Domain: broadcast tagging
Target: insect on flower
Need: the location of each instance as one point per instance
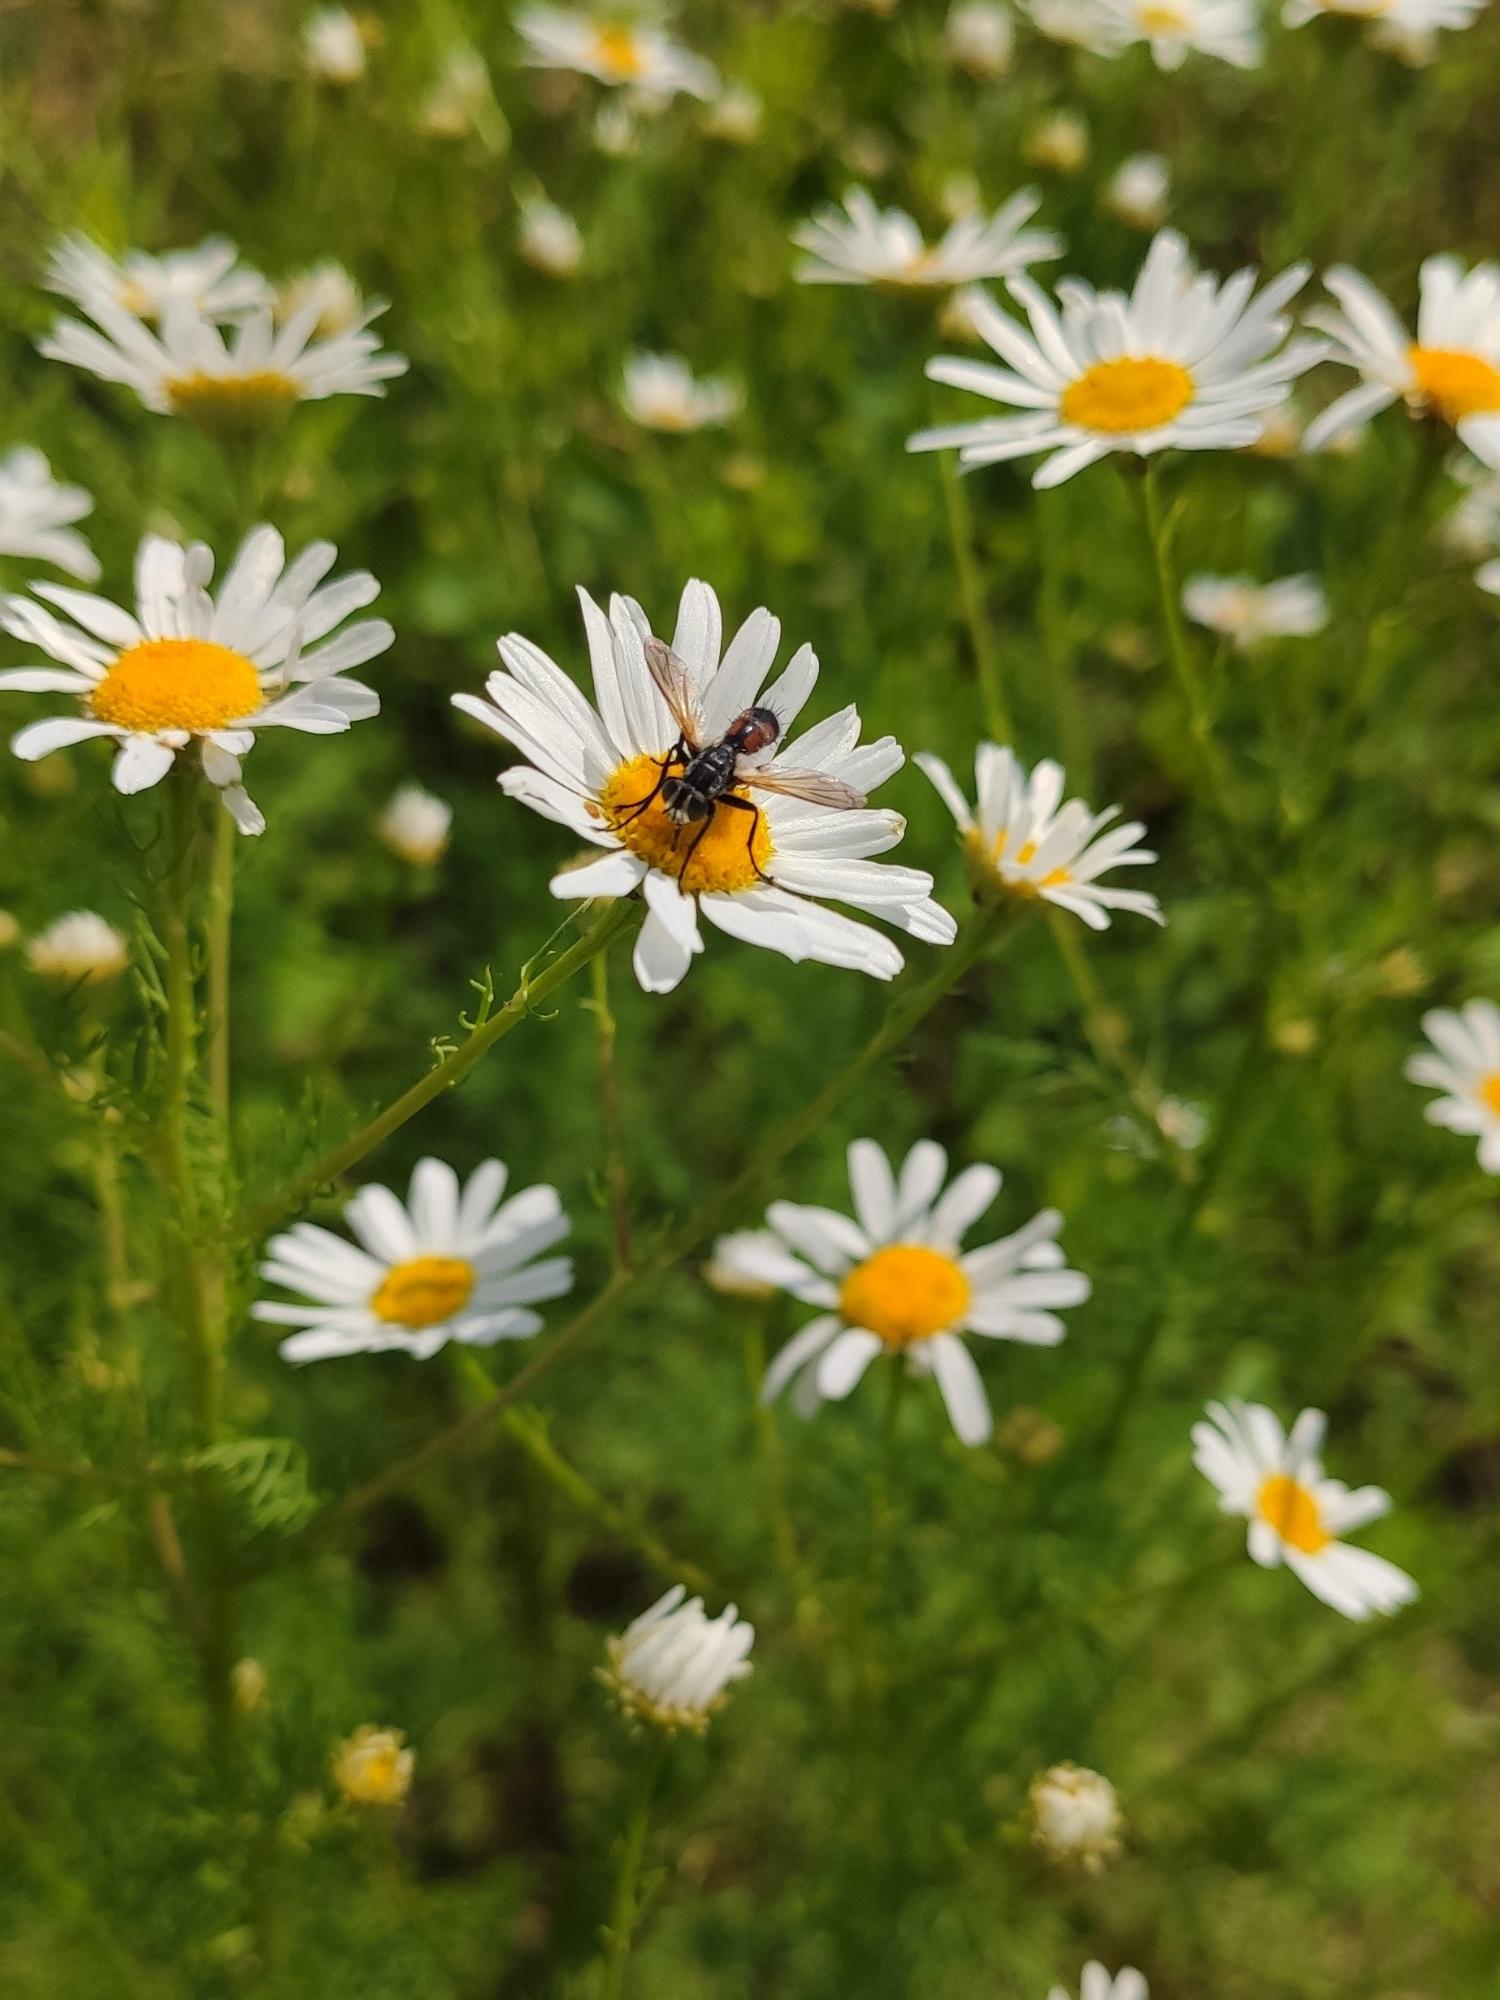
(697, 777)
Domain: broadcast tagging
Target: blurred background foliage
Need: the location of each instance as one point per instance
(1314, 1808)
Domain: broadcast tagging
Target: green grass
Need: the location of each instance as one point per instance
(1313, 1807)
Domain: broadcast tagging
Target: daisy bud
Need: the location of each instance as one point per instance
(415, 826)
(373, 1768)
(674, 1665)
(979, 38)
(10, 931)
(333, 46)
(249, 1687)
(329, 287)
(735, 116)
(79, 949)
(1075, 1816)
(1137, 192)
(1059, 143)
(549, 239)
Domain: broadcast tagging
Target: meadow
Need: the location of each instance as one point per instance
(220, 1564)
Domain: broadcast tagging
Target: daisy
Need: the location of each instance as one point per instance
(1451, 371)
(373, 1767)
(674, 1665)
(613, 52)
(1138, 191)
(1403, 26)
(1060, 143)
(1274, 1479)
(210, 279)
(660, 392)
(36, 515)
(332, 294)
(735, 115)
(1464, 1064)
(1097, 1984)
(979, 37)
(1487, 576)
(860, 244)
(1079, 24)
(1174, 29)
(449, 1263)
(598, 771)
(191, 668)
(1182, 361)
(186, 367)
(415, 826)
(80, 949)
(1023, 841)
(1246, 613)
(895, 1282)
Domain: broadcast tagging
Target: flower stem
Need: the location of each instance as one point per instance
(971, 591)
(625, 1908)
(532, 989)
(220, 917)
(625, 1288)
(616, 1176)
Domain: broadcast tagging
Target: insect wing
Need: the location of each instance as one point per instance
(675, 685)
(816, 788)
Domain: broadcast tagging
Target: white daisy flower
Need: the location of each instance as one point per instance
(336, 301)
(895, 1282)
(1097, 1984)
(1274, 1480)
(1452, 369)
(1399, 25)
(613, 52)
(1183, 361)
(36, 515)
(1487, 576)
(209, 278)
(374, 1766)
(673, 1666)
(186, 367)
(660, 392)
(1174, 29)
(1138, 191)
(1075, 1816)
(415, 826)
(979, 36)
(190, 668)
(449, 1263)
(549, 239)
(80, 949)
(1472, 529)
(1464, 1064)
(1247, 613)
(1023, 841)
(600, 773)
(727, 1268)
(861, 244)
(1078, 24)
(333, 46)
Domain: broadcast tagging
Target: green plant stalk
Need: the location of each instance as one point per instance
(617, 1178)
(617, 917)
(625, 1288)
(625, 1905)
(217, 936)
(971, 592)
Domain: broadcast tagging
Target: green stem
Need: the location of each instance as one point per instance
(616, 917)
(220, 917)
(625, 1288)
(617, 1178)
(971, 591)
(625, 1908)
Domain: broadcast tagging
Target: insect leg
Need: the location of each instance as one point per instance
(749, 806)
(682, 873)
(635, 807)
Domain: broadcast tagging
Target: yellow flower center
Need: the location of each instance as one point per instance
(904, 1293)
(1454, 384)
(423, 1291)
(618, 51)
(1287, 1506)
(727, 850)
(1134, 393)
(233, 402)
(988, 855)
(177, 684)
(1156, 18)
(1489, 1092)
